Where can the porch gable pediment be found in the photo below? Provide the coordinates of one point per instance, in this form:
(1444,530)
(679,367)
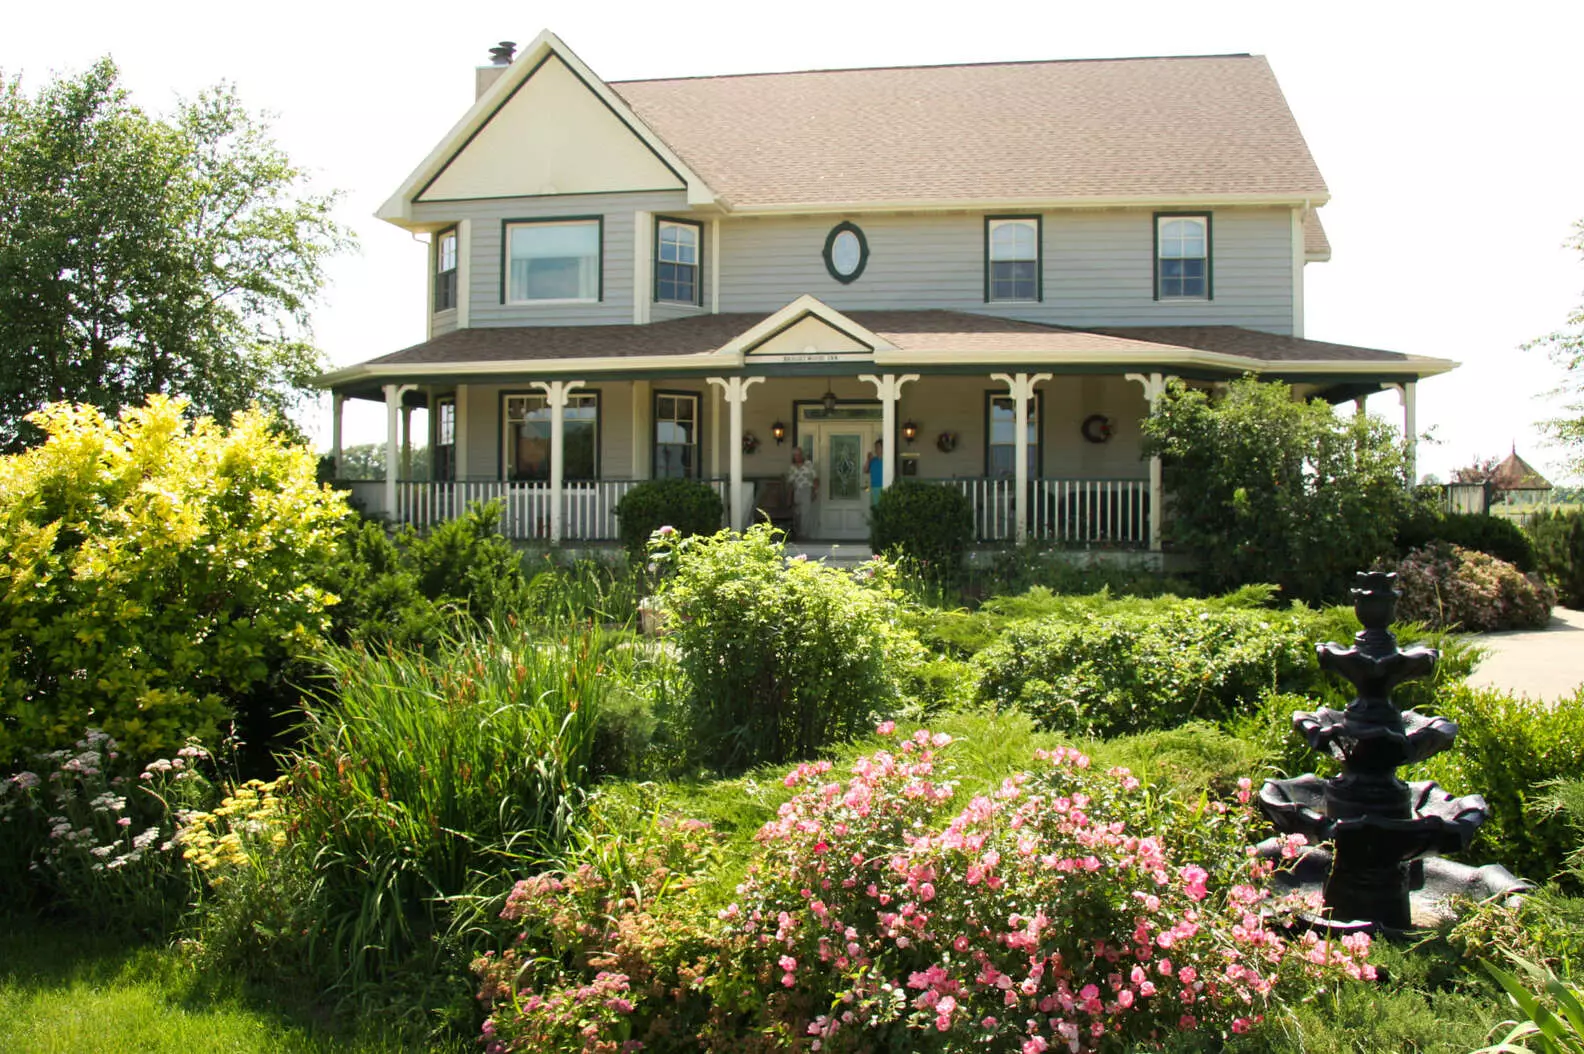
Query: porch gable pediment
(807,330)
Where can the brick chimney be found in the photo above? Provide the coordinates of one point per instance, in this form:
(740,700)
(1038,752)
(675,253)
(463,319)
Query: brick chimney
(500,57)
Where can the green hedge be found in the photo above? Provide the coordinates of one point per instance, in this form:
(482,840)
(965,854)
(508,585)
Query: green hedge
(690,507)
(1559,553)
(1481,532)
(928,523)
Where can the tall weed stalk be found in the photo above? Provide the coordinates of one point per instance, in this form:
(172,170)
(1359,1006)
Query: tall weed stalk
(417,774)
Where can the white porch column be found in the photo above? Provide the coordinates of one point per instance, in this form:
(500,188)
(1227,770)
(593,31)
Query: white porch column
(556,393)
(337,402)
(735,390)
(1021,387)
(1154,387)
(393,398)
(1405,392)
(888,388)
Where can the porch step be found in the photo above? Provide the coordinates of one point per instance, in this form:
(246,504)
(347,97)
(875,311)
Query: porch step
(837,554)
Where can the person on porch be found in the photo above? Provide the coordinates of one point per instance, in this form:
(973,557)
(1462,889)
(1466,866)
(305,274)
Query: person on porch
(803,480)
(875,466)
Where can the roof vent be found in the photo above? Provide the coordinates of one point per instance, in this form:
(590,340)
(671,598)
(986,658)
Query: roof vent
(501,54)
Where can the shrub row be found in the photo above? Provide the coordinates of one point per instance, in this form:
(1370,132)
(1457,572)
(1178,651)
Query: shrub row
(1559,552)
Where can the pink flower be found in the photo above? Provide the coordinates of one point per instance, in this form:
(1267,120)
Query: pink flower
(1241,1025)
(885,728)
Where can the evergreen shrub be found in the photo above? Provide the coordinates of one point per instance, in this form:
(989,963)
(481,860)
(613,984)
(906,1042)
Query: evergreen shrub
(929,524)
(1481,532)
(781,657)
(1559,552)
(690,507)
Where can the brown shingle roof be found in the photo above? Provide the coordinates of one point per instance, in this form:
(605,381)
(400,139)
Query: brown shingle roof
(1114,128)
(921,331)
(1515,473)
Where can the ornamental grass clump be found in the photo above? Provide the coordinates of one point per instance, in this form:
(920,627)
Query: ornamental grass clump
(1070,910)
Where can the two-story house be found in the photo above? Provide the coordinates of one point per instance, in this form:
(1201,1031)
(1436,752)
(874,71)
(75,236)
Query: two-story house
(992,268)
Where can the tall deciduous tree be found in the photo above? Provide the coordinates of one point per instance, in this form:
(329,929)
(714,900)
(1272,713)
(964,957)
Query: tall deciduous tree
(1567,350)
(143,255)
(1268,489)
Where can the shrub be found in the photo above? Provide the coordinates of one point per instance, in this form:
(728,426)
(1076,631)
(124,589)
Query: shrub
(418,772)
(929,524)
(1446,585)
(155,570)
(1510,749)
(1069,910)
(1129,673)
(782,658)
(1559,552)
(1481,532)
(1266,489)
(691,507)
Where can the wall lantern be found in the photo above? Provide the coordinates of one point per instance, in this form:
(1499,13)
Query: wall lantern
(909,431)
(829,400)
(779,431)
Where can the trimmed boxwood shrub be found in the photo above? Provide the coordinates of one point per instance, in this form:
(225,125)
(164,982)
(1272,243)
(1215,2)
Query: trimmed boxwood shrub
(690,507)
(1559,553)
(928,523)
(1481,532)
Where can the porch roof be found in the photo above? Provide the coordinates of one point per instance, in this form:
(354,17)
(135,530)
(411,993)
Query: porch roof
(937,338)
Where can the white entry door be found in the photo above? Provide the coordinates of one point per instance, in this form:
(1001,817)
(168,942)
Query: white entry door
(839,450)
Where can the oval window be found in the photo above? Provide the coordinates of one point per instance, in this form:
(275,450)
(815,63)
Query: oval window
(846,252)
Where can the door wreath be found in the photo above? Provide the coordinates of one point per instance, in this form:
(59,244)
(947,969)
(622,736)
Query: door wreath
(1097,428)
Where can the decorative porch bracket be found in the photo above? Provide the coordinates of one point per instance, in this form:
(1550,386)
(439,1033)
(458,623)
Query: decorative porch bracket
(1021,387)
(888,389)
(1154,386)
(735,390)
(1410,409)
(393,399)
(556,393)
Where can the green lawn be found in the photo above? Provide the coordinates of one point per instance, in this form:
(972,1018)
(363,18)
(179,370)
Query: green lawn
(67,989)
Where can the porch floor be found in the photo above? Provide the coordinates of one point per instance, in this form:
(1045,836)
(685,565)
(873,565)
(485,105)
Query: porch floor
(841,554)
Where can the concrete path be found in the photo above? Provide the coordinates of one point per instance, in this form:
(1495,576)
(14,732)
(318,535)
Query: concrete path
(1540,663)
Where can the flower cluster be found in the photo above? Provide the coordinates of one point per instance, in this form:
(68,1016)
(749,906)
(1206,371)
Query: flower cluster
(1067,910)
(248,824)
(1446,585)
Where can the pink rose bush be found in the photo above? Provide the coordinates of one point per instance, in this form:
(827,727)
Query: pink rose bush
(1070,910)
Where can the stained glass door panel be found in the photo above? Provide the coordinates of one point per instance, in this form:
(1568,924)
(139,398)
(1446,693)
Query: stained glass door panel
(846,466)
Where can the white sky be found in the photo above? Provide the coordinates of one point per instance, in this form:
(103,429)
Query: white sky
(1447,133)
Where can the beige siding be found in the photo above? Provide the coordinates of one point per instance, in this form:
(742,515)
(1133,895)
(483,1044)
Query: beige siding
(484,252)
(442,322)
(1097,268)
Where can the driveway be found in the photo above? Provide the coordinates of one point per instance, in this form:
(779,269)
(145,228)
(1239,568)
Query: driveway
(1540,663)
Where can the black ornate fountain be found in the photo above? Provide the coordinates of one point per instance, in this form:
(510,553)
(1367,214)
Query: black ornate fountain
(1382,870)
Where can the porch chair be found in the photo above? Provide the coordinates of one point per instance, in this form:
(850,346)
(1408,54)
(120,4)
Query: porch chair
(773,504)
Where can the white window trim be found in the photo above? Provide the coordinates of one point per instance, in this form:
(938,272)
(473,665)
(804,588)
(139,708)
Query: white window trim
(697,228)
(597,222)
(1203,219)
(991,224)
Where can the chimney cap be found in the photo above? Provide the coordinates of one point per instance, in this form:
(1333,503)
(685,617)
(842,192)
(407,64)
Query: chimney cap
(501,54)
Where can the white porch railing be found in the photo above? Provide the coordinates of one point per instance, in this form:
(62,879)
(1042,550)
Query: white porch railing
(1072,511)
(588,507)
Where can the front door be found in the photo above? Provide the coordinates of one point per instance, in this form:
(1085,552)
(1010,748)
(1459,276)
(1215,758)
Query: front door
(839,450)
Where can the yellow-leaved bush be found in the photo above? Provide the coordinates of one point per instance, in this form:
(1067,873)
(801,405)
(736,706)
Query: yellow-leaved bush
(153,569)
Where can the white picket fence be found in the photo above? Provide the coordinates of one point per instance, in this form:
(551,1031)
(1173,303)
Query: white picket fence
(1079,511)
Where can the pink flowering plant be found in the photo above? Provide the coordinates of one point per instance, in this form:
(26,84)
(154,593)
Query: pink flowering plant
(1069,910)
(88,830)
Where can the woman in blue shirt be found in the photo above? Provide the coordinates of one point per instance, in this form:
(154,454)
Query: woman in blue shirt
(875,466)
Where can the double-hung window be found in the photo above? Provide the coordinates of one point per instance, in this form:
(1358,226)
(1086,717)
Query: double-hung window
(1012,258)
(553,260)
(1182,256)
(676,435)
(526,437)
(445,279)
(445,439)
(676,264)
(1001,450)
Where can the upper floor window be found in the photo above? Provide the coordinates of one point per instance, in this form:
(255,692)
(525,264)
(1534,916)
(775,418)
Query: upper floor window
(553,260)
(1012,258)
(445,280)
(527,437)
(677,262)
(846,252)
(1182,257)
(676,436)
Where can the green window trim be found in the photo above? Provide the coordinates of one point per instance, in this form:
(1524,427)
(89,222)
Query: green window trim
(829,252)
(1038,442)
(698,265)
(1039,259)
(501,425)
(445,278)
(1209,256)
(698,431)
(505,257)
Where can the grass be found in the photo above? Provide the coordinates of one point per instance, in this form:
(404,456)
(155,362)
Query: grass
(69,989)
